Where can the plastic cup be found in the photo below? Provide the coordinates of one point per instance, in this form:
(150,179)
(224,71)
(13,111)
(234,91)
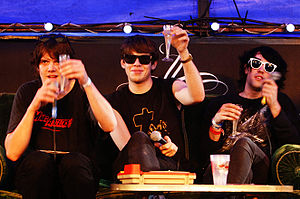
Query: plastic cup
(219,165)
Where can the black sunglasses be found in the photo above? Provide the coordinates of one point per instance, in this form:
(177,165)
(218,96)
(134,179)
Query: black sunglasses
(256,64)
(57,37)
(143,59)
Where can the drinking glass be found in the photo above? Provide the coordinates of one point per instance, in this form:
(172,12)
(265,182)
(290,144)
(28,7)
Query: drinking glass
(168,39)
(63,80)
(234,124)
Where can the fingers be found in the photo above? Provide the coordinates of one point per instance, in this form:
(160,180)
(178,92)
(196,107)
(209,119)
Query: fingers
(180,39)
(269,87)
(169,149)
(46,94)
(73,69)
(270,91)
(48,91)
(228,111)
(179,33)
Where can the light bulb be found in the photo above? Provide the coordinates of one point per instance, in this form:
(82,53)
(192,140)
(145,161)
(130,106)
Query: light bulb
(215,26)
(127,28)
(48,26)
(290,27)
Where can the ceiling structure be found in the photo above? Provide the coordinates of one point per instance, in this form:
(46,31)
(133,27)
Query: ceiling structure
(92,18)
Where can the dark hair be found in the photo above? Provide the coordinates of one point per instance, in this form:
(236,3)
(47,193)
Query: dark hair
(54,45)
(269,54)
(139,44)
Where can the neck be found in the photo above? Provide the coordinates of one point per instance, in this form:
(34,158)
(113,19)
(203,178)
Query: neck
(250,93)
(140,88)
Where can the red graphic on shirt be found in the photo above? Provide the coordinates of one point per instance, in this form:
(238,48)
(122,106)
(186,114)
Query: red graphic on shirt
(49,122)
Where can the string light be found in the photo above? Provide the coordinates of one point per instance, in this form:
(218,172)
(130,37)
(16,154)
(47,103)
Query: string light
(127,28)
(290,27)
(215,26)
(229,25)
(48,26)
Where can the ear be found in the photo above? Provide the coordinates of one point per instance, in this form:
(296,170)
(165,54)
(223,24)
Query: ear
(122,62)
(246,69)
(153,66)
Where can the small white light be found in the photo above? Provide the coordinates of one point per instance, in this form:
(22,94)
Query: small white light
(48,26)
(127,28)
(215,26)
(290,27)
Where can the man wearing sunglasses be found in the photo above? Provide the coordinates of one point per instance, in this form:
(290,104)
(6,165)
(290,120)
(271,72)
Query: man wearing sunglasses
(149,104)
(54,153)
(266,118)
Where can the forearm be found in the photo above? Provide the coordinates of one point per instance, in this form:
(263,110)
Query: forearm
(17,141)
(192,78)
(101,108)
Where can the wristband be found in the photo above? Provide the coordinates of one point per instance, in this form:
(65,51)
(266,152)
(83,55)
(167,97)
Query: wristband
(216,132)
(88,83)
(190,58)
(217,126)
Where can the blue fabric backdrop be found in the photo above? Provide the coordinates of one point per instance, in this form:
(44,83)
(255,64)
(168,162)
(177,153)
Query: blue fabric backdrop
(104,11)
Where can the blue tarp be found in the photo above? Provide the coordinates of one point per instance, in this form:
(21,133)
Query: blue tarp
(94,11)
(118,11)
(106,11)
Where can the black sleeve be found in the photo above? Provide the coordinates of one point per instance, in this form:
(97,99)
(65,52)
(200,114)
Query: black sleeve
(21,102)
(286,126)
(199,121)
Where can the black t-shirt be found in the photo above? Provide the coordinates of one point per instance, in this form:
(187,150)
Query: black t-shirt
(153,110)
(75,127)
(257,122)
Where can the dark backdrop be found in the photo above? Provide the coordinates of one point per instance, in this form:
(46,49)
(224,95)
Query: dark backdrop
(218,56)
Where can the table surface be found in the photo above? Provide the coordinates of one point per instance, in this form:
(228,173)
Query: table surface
(204,188)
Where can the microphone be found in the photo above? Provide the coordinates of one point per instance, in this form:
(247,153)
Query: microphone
(54,104)
(275,76)
(156,137)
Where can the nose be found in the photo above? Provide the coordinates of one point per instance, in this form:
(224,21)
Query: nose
(52,66)
(262,68)
(137,62)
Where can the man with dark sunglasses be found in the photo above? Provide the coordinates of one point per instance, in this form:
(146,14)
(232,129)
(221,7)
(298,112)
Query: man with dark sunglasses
(54,155)
(149,104)
(265,119)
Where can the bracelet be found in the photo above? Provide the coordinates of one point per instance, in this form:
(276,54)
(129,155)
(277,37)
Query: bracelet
(88,83)
(217,126)
(216,132)
(190,58)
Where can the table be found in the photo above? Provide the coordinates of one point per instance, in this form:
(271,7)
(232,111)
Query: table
(202,191)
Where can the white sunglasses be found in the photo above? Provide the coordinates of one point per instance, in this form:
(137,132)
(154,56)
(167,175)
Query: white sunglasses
(257,63)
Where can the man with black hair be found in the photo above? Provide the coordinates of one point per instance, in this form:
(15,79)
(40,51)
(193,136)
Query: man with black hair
(266,118)
(149,104)
(53,149)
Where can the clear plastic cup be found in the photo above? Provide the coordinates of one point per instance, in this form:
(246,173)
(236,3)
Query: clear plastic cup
(220,165)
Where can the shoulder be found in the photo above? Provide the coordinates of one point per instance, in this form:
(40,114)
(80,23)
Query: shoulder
(119,95)
(282,97)
(34,84)
(159,80)
(286,102)
(29,88)
(163,83)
